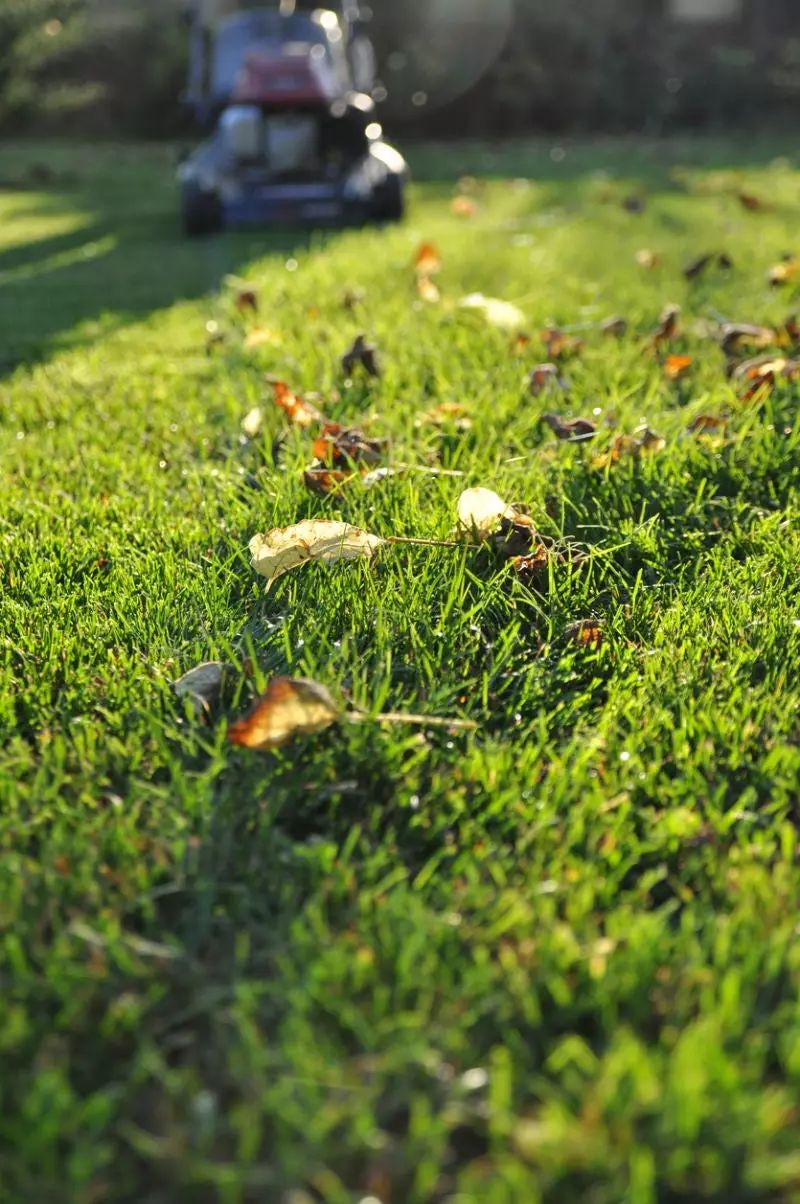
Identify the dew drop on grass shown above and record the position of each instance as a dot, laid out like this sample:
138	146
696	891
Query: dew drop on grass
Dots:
624	756
292	265
413	802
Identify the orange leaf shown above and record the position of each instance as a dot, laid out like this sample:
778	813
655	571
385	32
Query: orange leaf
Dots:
464	206
676	366
427	290
342	446
587	633
301	412
289	708
559	344
784	272
323	481
705	422
543	376
520	343
427	260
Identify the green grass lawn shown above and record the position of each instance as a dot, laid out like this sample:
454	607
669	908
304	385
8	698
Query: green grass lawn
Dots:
555	959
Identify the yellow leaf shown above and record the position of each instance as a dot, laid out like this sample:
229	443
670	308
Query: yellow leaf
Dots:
498	313
482	509
252	422
316	539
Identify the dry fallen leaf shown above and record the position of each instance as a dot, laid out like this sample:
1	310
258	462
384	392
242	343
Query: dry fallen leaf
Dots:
753	204
341	447
704	423
649	441
633	204
252	422
736	335
446	414
289	708
361	354
558	344
323	481
463	206
617	327
247	301
784	272
668	325
498	313
353	297
677	366
428	291
301	412
520	343
480	510
545	376
695	269
792	328
202	685
286	548
587	633
577	429
647	258
260	337
427	260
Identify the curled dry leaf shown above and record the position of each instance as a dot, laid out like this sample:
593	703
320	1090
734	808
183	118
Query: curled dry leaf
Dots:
695	269
647	258
252	422
516	537
362	354
463	206
291	707
751	203
668	325
203	685
447	414
704	423
616	327
545	376
260	337
737	335
324	481
247	301
520	343
558	345
784	272
761	374
677	366
498	313
576	429
428	290
427	261
792	328
645	442
299	411
480	510
649	441
342	447
586	633
287	548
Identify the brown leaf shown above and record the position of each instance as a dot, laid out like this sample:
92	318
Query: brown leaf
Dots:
324	481
353	297
533	570
428	291
633	204
704	423
247	301
203	685
647	259
520	343
587	633
677	366
342	447
575	428
646	442
516	537
558	345
792	328
291	707
668	325
724	261
427	261
751	203
736	335
695	269
300	412
361	354
617	327
545	376
650	441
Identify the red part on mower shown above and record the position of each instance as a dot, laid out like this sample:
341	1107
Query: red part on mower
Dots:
267	79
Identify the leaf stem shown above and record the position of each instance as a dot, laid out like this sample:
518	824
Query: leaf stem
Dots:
461	725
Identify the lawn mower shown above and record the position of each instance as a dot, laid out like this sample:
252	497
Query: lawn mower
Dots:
284	98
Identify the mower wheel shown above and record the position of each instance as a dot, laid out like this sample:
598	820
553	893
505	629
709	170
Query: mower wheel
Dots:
389	204
201	213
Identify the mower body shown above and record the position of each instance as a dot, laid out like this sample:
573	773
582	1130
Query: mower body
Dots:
292	139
